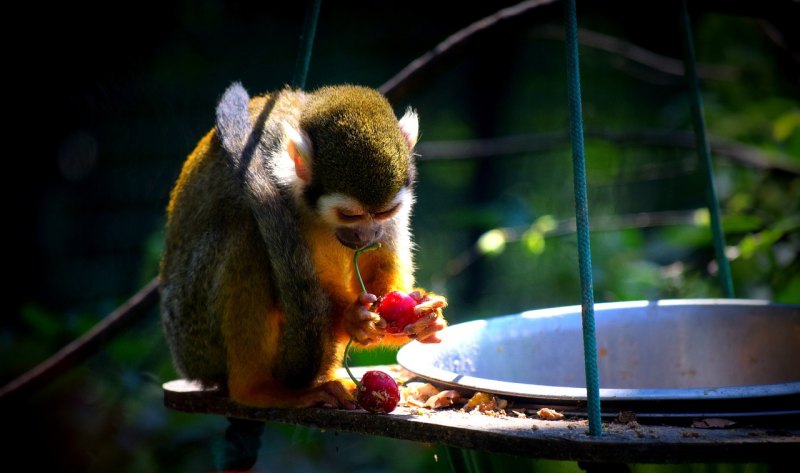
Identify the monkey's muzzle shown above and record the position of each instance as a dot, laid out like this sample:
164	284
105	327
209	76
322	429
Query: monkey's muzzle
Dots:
359	236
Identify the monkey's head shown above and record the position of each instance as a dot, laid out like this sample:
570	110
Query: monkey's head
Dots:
354	161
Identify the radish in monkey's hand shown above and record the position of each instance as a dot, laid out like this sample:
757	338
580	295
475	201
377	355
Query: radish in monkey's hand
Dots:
403	313
397	308
417	314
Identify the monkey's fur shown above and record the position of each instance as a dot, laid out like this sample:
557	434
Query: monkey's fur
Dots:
258	290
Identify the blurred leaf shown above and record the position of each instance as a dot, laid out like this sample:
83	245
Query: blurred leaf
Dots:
637	280
739	202
492	242
546	223
785	125
765	239
534	241
684	236
789	294
605	163
632	238
702	217
741	223
43	323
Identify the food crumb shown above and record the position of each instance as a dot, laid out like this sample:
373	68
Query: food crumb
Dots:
443	399
519	413
486	404
549	414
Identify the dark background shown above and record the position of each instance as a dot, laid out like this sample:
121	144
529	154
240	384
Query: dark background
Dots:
107	99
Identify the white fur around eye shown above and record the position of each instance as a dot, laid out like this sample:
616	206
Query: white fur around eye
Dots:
328	205
404	195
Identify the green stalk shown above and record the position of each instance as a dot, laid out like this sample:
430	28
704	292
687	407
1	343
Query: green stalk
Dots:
347	368
373	246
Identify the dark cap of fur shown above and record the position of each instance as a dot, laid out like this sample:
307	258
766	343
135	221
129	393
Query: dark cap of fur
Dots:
359	149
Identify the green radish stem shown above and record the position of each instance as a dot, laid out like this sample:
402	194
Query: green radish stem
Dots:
347	368
373	246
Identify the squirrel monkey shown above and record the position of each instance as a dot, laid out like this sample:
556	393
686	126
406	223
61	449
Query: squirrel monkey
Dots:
259	293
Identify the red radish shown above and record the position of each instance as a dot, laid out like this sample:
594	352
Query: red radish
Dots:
397	308
378	392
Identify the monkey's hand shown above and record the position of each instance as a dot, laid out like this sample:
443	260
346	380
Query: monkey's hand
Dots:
363	325
429	310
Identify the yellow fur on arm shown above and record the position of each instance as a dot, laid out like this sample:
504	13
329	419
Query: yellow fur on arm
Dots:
384	271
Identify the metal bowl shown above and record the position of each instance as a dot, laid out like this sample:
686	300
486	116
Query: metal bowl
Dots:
661	358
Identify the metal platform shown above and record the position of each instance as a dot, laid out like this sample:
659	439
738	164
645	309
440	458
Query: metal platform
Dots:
761	440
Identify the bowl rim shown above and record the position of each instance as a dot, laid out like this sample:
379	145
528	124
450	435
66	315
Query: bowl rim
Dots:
412	358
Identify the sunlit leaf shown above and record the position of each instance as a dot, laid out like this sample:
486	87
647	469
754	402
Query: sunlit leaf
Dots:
763	240
534	241
492	242
748	246
702	217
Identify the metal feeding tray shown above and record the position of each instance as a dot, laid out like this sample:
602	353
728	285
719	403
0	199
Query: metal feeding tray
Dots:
666	358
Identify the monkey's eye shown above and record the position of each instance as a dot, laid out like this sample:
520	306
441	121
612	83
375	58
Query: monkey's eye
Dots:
386	214
346	215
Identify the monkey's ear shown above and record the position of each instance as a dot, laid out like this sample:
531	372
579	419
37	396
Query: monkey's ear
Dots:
233	120
301	151
409	125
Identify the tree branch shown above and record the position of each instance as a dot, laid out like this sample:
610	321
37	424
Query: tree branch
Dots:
630	51
503	21
81	348
481	149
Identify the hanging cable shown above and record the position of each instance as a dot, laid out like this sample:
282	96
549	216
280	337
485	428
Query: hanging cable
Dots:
306	44
704	153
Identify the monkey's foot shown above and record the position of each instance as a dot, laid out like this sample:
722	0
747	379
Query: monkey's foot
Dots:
330	393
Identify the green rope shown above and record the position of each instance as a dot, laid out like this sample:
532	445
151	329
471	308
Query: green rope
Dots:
582	216
306	42
704	153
